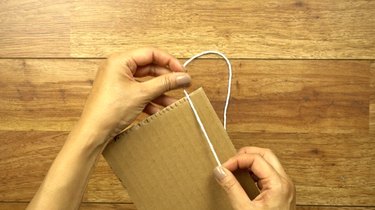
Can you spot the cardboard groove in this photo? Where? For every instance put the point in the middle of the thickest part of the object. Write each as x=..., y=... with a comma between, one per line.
x=165, y=162
x=152, y=117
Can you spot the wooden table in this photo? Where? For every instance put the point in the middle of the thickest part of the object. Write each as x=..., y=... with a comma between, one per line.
x=304, y=78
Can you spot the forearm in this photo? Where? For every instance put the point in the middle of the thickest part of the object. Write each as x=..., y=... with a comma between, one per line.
x=65, y=183
x=116, y=99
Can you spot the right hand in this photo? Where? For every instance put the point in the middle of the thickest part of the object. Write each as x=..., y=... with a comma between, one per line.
x=277, y=189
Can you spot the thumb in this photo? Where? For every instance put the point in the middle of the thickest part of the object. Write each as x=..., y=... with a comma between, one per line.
x=232, y=187
x=166, y=82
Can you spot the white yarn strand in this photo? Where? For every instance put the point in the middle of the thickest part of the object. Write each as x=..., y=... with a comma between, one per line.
x=229, y=78
x=225, y=106
x=202, y=128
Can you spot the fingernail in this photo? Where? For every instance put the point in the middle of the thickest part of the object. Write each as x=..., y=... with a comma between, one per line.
x=219, y=173
x=183, y=80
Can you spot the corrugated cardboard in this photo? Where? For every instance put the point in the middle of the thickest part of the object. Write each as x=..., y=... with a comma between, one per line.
x=165, y=162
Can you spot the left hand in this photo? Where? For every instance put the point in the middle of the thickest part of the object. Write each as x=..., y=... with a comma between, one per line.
x=117, y=98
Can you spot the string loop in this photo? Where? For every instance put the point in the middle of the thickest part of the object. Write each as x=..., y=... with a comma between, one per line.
x=229, y=78
x=225, y=106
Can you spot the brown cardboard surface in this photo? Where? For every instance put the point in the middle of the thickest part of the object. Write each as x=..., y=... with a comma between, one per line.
x=165, y=162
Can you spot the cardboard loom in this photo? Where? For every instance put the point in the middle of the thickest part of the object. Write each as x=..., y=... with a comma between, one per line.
x=165, y=162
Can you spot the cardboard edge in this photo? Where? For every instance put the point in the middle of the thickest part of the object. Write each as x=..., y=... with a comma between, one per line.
x=248, y=185
x=150, y=118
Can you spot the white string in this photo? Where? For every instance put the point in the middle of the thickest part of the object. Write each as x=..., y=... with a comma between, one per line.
x=226, y=102
x=229, y=78
x=202, y=128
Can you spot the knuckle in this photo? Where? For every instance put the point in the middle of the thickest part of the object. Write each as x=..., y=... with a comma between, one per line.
x=167, y=83
x=229, y=184
x=129, y=63
x=279, y=186
x=150, y=48
x=286, y=187
x=242, y=157
x=113, y=56
x=153, y=70
x=257, y=157
x=144, y=91
x=243, y=149
x=268, y=151
x=120, y=59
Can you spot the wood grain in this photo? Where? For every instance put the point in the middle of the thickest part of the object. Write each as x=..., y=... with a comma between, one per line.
x=43, y=94
x=283, y=96
x=31, y=28
x=317, y=114
x=241, y=29
x=323, y=165
x=339, y=29
x=117, y=206
x=84, y=206
x=327, y=168
x=372, y=98
x=26, y=156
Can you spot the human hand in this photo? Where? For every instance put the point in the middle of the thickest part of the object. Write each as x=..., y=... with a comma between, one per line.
x=117, y=98
x=277, y=190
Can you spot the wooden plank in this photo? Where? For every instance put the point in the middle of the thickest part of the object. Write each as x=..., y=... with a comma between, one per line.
x=84, y=206
x=43, y=94
x=372, y=98
x=302, y=96
x=323, y=166
x=120, y=206
x=372, y=117
x=242, y=29
x=25, y=158
x=334, y=169
x=334, y=207
x=31, y=28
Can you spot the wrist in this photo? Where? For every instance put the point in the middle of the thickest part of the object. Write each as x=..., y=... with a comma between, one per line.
x=86, y=137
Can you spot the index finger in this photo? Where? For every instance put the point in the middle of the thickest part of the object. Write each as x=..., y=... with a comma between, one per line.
x=253, y=162
x=146, y=56
x=268, y=155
